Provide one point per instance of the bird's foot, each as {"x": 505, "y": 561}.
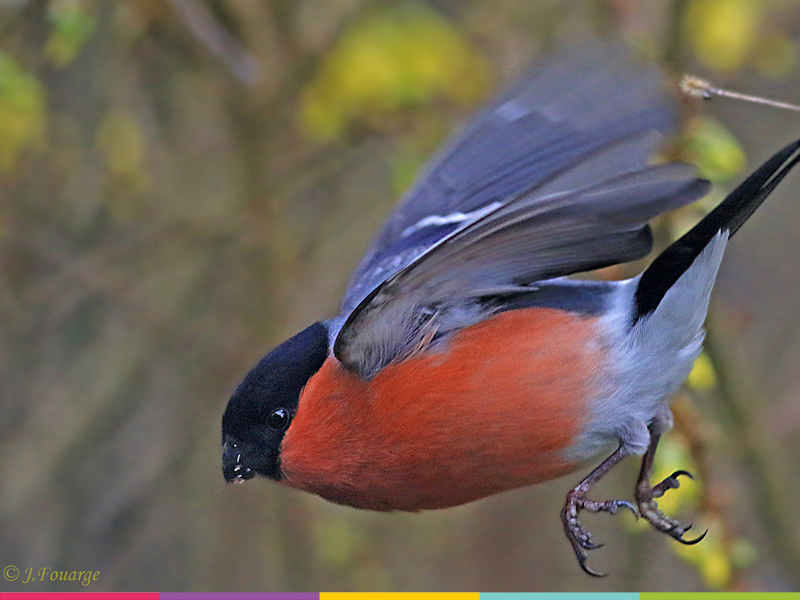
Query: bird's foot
{"x": 577, "y": 534}
{"x": 646, "y": 494}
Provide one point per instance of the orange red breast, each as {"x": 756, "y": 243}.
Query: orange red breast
{"x": 495, "y": 407}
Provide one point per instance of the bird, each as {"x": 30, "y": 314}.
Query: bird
{"x": 466, "y": 360}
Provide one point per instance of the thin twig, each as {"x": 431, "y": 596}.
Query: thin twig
{"x": 700, "y": 88}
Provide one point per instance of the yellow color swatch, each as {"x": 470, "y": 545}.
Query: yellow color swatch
{"x": 399, "y": 596}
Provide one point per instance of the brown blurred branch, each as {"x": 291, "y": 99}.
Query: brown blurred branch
{"x": 205, "y": 28}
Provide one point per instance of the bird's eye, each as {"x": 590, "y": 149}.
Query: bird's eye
{"x": 278, "y": 419}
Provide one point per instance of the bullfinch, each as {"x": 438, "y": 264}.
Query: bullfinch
{"x": 463, "y": 362}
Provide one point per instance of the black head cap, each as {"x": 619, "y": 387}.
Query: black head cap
{"x": 262, "y": 407}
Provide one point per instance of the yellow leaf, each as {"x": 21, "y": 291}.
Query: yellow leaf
{"x": 390, "y": 60}
{"x": 722, "y": 32}
{"x": 702, "y": 377}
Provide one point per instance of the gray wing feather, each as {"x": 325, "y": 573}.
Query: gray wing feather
{"x": 551, "y": 119}
{"x": 552, "y": 180}
{"x": 540, "y": 236}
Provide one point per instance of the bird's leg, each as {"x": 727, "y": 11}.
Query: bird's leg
{"x": 577, "y": 535}
{"x": 645, "y": 495}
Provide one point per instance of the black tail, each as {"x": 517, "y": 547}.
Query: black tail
{"x": 730, "y": 215}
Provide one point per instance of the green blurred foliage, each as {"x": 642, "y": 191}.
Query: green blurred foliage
{"x": 22, "y": 112}
{"x": 72, "y": 25}
{"x": 717, "y": 153}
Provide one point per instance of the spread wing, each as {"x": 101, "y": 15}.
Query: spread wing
{"x": 551, "y": 179}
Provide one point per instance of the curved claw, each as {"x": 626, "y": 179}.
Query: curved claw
{"x": 580, "y": 545}
{"x": 645, "y": 497}
{"x": 587, "y": 570}
{"x": 669, "y": 483}
{"x": 629, "y": 506}
{"x": 696, "y": 540}
{"x": 578, "y": 536}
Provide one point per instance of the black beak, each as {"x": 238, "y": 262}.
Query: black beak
{"x": 232, "y": 467}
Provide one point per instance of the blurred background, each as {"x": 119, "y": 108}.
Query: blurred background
{"x": 186, "y": 183}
